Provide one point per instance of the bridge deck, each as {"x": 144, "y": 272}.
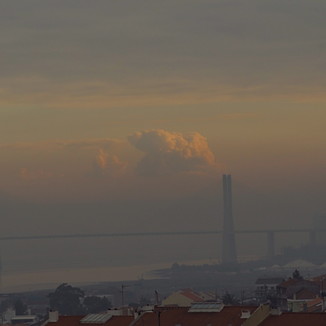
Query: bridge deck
{"x": 144, "y": 234}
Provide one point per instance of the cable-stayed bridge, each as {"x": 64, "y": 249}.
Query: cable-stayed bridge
{"x": 229, "y": 232}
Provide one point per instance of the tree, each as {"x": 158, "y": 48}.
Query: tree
{"x": 94, "y": 304}
{"x": 296, "y": 275}
{"x": 230, "y": 299}
{"x": 67, "y": 300}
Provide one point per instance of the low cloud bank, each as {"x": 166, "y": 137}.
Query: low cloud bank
{"x": 172, "y": 152}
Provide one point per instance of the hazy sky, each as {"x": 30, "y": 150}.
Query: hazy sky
{"x": 122, "y": 115}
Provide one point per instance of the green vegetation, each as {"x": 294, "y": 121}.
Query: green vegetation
{"x": 69, "y": 300}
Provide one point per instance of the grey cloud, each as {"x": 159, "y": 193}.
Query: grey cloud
{"x": 171, "y": 152}
{"x": 254, "y": 41}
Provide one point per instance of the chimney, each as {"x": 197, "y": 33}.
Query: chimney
{"x": 53, "y": 316}
{"x": 245, "y": 314}
{"x": 276, "y": 311}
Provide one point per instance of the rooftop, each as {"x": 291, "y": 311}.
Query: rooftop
{"x": 91, "y": 320}
{"x": 296, "y": 318}
{"x": 228, "y": 315}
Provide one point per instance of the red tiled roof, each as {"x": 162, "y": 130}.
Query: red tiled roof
{"x": 288, "y": 283}
{"x": 315, "y": 305}
{"x": 320, "y": 281}
{"x": 119, "y": 321}
{"x": 230, "y": 315}
{"x": 66, "y": 321}
{"x": 296, "y": 319}
{"x": 291, "y": 282}
{"x": 318, "y": 278}
{"x": 305, "y": 294}
{"x": 75, "y": 321}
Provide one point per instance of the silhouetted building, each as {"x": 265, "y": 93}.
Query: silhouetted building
{"x": 266, "y": 288}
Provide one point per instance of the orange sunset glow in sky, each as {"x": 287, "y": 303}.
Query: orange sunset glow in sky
{"x": 119, "y": 115}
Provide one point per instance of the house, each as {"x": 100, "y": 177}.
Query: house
{"x": 304, "y": 300}
{"x": 295, "y": 294}
{"x": 267, "y": 287}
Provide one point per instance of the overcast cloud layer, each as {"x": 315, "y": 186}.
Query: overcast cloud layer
{"x": 78, "y": 54}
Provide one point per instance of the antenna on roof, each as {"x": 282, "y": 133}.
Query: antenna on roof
{"x": 123, "y": 286}
{"x": 156, "y": 298}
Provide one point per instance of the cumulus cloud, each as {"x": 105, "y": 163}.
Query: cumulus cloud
{"x": 102, "y": 159}
{"x": 108, "y": 164}
{"x": 171, "y": 152}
